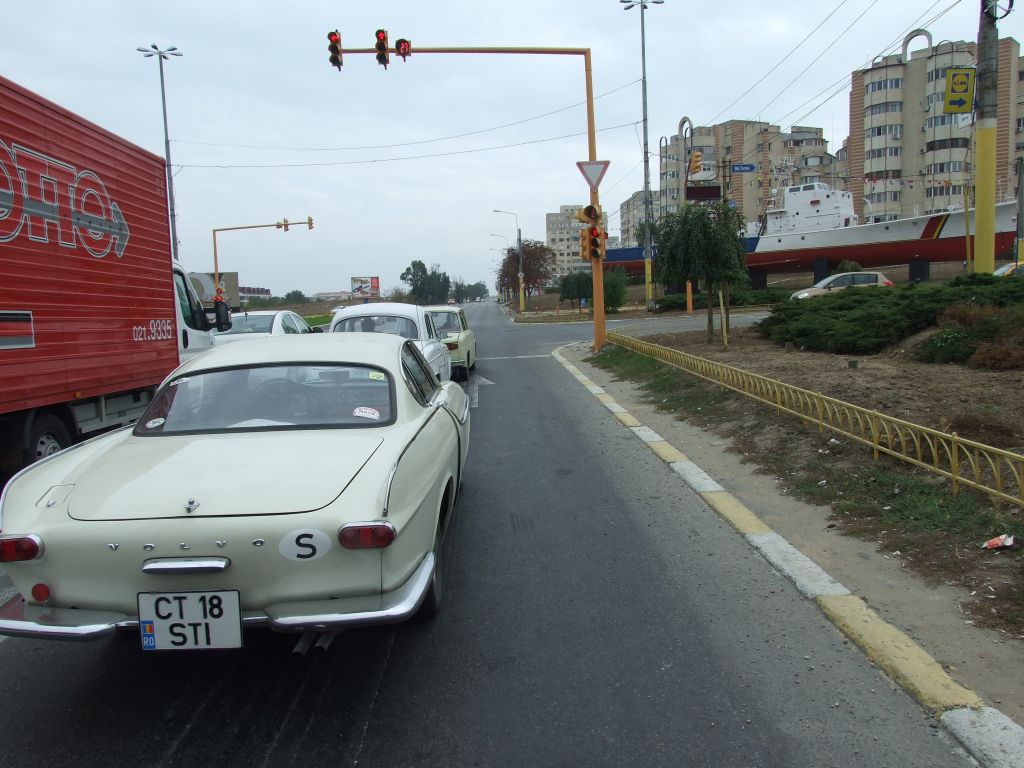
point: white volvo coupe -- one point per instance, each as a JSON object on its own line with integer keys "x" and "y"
{"x": 305, "y": 485}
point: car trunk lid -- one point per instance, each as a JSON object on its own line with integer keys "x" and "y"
{"x": 144, "y": 478}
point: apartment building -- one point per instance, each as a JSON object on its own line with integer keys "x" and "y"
{"x": 780, "y": 158}
{"x": 563, "y": 237}
{"x": 905, "y": 156}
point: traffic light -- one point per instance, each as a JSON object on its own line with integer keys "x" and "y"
{"x": 382, "y": 47}
{"x": 695, "y": 159}
{"x": 591, "y": 236}
{"x": 403, "y": 48}
{"x": 334, "y": 47}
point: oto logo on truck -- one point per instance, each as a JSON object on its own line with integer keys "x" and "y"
{"x": 40, "y": 195}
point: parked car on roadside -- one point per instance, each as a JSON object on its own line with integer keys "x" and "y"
{"x": 407, "y": 320}
{"x": 262, "y": 323}
{"x": 294, "y": 484}
{"x": 452, "y": 326}
{"x": 843, "y": 280}
{"x": 1013, "y": 269}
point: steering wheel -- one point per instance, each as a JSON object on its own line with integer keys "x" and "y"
{"x": 280, "y": 397}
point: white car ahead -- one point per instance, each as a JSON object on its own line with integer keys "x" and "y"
{"x": 262, "y": 323}
{"x": 406, "y": 320}
{"x": 454, "y": 329}
{"x": 296, "y": 484}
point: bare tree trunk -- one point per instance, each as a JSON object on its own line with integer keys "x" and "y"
{"x": 711, "y": 311}
{"x": 725, "y": 320}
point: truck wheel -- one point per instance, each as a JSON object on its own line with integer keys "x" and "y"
{"x": 47, "y": 436}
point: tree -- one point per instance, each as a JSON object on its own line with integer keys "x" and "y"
{"x": 538, "y": 268}
{"x": 703, "y": 242}
{"x": 460, "y": 291}
{"x": 295, "y": 297}
{"x": 615, "y": 282}
{"x": 426, "y": 287}
{"x": 576, "y": 286}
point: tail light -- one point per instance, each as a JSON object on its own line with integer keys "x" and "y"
{"x": 888, "y": 283}
{"x": 452, "y": 345}
{"x": 366, "y": 535}
{"x": 18, "y": 548}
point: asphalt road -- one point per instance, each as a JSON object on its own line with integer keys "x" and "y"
{"x": 597, "y": 614}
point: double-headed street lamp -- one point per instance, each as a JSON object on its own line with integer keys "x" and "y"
{"x": 161, "y": 55}
{"x": 648, "y": 212}
{"x": 519, "y": 241}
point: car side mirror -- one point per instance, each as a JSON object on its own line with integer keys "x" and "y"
{"x": 222, "y": 316}
{"x": 317, "y": 329}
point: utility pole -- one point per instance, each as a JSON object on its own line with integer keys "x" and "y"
{"x": 985, "y": 137}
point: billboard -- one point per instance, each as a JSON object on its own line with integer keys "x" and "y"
{"x": 365, "y": 287}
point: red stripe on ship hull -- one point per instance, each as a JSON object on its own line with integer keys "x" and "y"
{"x": 934, "y": 226}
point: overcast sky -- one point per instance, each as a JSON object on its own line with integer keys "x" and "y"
{"x": 409, "y": 163}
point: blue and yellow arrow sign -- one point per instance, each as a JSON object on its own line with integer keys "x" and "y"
{"x": 959, "y": 91}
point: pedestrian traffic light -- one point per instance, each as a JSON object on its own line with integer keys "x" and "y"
{"x": 695, "y": 161}
{"x": 403, "y": 48}
{"x": 382, "y": 47}
{"x": 334, "y": 47}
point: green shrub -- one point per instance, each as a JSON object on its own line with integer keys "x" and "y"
{"x": 849, "y": 266}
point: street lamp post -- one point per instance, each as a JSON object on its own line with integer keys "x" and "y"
{"x": 648, "y": 213}
{"x": 161, "y": 55}
{"x": 519, "y": 242}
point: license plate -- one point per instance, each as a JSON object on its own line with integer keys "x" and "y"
{"x": 182, "y": 621}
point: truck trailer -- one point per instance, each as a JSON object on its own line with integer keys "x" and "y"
{"x": 94, "y": 312}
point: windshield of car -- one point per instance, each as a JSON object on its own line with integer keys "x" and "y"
{"x": 303, "y": 395}
{"x": 243, "y": 323}
{"x": 1005, "y": 269}
{"x": 446, "y": 322}
{"x": 398, "y": 326}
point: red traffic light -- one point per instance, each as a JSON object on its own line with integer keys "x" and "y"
{"x": 382, "y": 47}
{"x": 403, "y": 48}
{"x": 334, "y": 48}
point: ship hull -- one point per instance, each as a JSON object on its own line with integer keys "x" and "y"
{"x": 938, "y": 237}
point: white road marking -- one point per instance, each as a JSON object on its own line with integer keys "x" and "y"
{"x": 475, "y": 383}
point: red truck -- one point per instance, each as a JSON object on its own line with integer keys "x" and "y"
{"x": 93, "y": 311}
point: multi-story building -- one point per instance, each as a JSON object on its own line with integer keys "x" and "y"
{"x": 563, "y": 237}
{"x": 779, "y": 158}
{"x": 906, "y": 157}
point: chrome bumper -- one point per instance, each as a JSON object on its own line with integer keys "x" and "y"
{"x": 19, "y": 619}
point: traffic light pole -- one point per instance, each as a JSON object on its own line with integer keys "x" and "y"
{"x": 598, "y": 267}
{"x": 283, "y": 224}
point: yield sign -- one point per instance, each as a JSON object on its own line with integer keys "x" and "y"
{"x": 593, "y": 171}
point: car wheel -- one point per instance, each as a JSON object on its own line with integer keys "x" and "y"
{"x": 431, "y": 605}
{"x": 48, "y": 436}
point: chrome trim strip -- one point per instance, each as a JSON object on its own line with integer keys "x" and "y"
{"x": 394, "y": 469}
{"x": 186, "y": 565}
{"x": 399, "y": 606}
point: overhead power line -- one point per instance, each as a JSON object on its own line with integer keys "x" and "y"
{"x": 399, "y": 159}
{"x": 407, "y": 143}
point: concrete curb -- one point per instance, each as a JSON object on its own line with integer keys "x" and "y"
{"x": 992, "y": 738}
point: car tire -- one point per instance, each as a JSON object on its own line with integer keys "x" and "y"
{"x": 47, "y": 436}
{"x": 431, "y": 605}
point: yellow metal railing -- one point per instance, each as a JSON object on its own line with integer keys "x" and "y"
{"x": 994, "y": 471}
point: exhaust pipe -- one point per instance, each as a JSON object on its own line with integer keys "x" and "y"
{"x": 304, "y": 644}
{"x": 323, "y": 642}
